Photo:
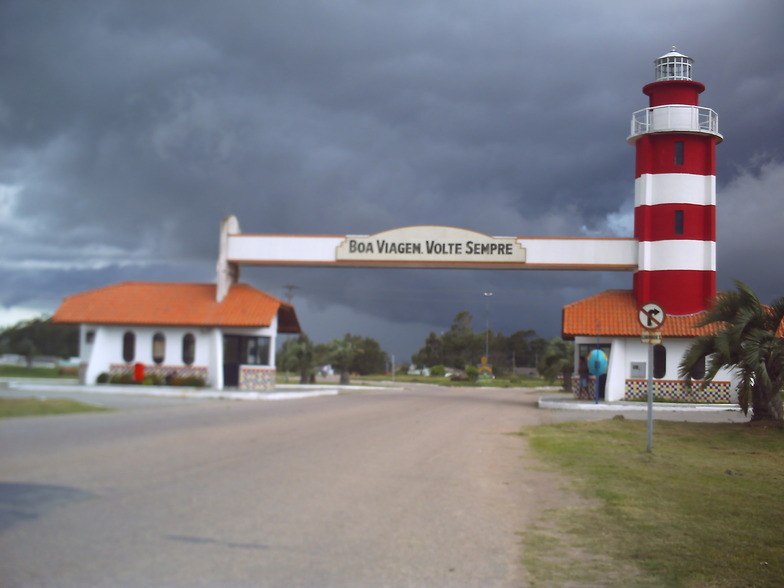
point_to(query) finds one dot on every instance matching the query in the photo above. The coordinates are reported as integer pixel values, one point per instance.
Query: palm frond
(746, 342)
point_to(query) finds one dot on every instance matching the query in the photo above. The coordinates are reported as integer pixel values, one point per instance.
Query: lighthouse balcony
(675, 117)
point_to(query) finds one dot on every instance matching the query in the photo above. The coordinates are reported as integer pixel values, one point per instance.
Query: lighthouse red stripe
(679, 292)
(674, 92)
(662, 223)
(656, 154)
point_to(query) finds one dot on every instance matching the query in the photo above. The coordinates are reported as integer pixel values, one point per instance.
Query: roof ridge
(267, 294)
(598, 295)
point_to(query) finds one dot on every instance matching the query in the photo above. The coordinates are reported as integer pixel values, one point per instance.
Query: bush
(472, 372)
(102, 378)
(191, 381)
(126, 378)
(438, 371)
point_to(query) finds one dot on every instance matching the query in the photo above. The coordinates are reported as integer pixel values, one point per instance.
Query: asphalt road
(421, 487)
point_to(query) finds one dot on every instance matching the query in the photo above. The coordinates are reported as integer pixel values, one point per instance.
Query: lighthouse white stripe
(654, 189)
(677, 255)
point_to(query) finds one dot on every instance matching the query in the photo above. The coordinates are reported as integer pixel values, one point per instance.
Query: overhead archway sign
(423, 246)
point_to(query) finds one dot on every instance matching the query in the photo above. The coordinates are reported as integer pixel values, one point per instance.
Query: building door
(232, 354)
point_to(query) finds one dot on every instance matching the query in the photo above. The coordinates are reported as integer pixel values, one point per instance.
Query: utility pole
(290, 292)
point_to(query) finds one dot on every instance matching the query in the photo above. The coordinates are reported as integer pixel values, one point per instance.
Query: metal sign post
(650, 398)
(651, 317)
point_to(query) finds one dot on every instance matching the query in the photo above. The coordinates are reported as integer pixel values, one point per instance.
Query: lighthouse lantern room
(675, 191)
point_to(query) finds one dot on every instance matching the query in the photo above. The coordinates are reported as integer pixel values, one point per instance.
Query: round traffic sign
(652, 316)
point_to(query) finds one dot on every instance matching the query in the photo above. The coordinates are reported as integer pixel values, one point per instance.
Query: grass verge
(22, 407)
(16, 371)
(704, 509)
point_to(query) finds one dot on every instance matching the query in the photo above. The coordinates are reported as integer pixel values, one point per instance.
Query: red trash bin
(138, 372)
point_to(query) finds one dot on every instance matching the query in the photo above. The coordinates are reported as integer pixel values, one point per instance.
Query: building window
(238, 349)
(129, 347)
(89, 337)
(679, 222)
(678, 152)
(258, 351)
(158, 347)
(659, 361)
(698, 370)
(188, 349)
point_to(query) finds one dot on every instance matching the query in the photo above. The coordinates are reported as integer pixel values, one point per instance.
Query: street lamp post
(488, 295)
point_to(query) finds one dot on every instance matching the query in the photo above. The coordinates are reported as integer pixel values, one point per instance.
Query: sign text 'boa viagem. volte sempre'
(429, 247)
(431, 244)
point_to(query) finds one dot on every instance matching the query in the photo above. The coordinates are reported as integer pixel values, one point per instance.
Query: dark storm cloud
(131, 128)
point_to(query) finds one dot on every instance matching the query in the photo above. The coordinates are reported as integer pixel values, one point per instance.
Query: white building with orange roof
(609, 321)
(180, 331)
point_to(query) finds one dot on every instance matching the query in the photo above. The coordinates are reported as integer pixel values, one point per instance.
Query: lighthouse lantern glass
(673, 66)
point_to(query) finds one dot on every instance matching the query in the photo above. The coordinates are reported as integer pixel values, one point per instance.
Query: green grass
(15, 371)
(22, 407)
(704, 509)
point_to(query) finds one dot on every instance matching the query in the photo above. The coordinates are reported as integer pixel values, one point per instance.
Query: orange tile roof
(170, 304)
(614, 313)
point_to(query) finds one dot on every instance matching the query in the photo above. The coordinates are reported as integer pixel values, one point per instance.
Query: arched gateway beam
(427, 246)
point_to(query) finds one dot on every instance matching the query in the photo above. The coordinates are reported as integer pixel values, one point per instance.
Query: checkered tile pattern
(590, 391)
(677, 391)
(664, 390)
(257, 379)
(178, 371)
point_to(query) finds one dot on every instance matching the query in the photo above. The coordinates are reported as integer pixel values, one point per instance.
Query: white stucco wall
(214, 344)
(626, 350)
(106, 348)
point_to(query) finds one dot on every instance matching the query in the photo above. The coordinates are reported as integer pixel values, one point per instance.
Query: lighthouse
(675, 191)
(675, 239)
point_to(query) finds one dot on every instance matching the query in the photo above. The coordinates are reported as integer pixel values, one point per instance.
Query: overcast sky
(130, 128)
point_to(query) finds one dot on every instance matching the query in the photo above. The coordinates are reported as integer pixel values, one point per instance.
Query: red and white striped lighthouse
(675, 191)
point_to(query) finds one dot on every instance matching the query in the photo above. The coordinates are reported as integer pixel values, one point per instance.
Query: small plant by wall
(121, 374)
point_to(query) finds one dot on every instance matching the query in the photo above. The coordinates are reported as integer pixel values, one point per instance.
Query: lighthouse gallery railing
(675, 117)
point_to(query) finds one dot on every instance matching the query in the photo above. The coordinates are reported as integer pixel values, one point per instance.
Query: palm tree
(298, 355)
(747, 340)
(341, 353)
(558, 360)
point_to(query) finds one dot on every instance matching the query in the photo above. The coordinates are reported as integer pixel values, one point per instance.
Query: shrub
(472, 372)
(191, 381)
(438, 371)
(152, 380)
(125, 378)
(102, 378)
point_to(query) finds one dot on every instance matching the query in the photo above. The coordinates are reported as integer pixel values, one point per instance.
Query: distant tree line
(40, 336)
(352, 354)
(461, 347)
